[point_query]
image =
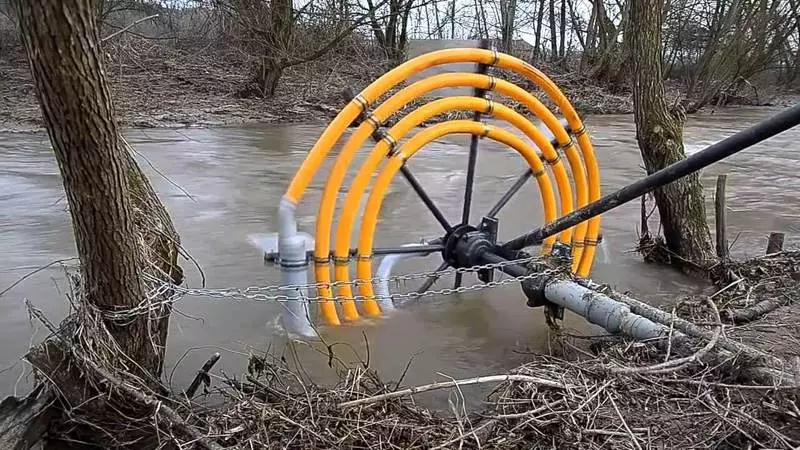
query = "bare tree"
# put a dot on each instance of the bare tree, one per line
(538, 34)
(743, 38)
(659, 131)
(276, 36)
(553, 31)
(508, 11)
(390, 27)
(562, 42)
(107, 194)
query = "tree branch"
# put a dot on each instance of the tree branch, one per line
(120, 31)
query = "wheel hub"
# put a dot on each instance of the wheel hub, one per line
(464, 245)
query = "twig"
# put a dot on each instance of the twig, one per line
(754, 387)
(453, 383)
(680, 363)
(732, 284)
(34, 272)
(156, 170)
(530, 412)
(624, 423)
(669, 337)
(137, 22)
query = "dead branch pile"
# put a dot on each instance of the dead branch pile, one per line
(751, 289)
(609, 408)
(278, 408)
(585, 401)
(603, 397)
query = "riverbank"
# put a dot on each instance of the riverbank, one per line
(157, 86)
(689, 391)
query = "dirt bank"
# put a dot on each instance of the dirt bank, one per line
(160, 86)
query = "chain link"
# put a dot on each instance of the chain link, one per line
(263, 293)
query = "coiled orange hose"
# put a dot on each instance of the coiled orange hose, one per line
(583, 234)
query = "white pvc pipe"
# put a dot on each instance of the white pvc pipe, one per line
(296, 317)
(384, 297)
(602, 310)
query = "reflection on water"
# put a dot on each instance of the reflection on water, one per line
(235, 177)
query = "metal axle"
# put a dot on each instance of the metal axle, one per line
(714, 153)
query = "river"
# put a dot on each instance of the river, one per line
(234, 178)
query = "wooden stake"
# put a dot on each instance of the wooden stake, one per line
(775, 243)
(202, 375)
(720, 220)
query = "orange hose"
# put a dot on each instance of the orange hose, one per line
(361, 181)
(393, 165)
(380, 86)
(587, 151)
(382, 113)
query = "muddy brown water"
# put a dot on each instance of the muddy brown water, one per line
(235, 178)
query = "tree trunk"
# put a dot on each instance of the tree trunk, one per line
(537, 43)
(659, 131)
(267, 76)
(562, 42)
(508, 10)
(122, 231)
(553, 32)
(452, 20)
(63, 50)
(113, 206)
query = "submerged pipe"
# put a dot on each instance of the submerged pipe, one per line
(295, 318)
(743, 139)
(384, 296)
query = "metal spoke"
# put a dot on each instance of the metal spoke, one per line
(432, 279)
(421, 249)
(406, 250)
(510, 193)
(473, 146)
(473, 159)
(412, 180)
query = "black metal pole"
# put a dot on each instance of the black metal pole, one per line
(515, 270)
(405, 250)
(501, 203)
(412, 180)
(510, 193)
(433, 247)
(431, 279)
(743, 139)
(473, 145)
(473, 157)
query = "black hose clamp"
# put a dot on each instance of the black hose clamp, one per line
(533, 288)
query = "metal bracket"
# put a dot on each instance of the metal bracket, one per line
(533, 288)
(488, 226)
(562, 253)
(268, 244)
